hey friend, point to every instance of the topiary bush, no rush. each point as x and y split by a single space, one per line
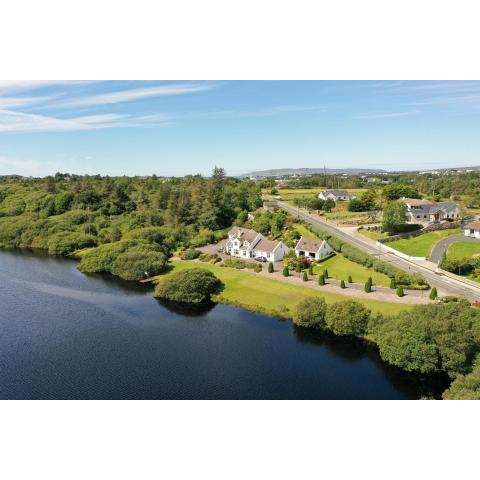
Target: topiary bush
321 280
305 277
350 279
400 291
433 294
270 267
285 272
368 287
342 284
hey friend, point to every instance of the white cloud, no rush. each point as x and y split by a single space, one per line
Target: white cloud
11 102
12 121
372 116
23 85
12 166
137 94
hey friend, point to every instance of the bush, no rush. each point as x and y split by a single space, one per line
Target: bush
305 277
100 259
195 285
321 280
138 262
431 338
347 318
350 279
325 273
400 292
285 272
433 294
310 270
257 268
368 287
66 243
392 283
342 284
270 267
190 254
310 313
465 387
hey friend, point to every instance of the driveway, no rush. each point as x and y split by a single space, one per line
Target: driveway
442 245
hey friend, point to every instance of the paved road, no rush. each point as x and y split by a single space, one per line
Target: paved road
442 245
444 285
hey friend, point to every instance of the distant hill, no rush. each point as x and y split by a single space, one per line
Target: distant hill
280 172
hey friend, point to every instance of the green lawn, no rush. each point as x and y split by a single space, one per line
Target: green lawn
340 268
422 245
463 249
304 232
270 296
374 235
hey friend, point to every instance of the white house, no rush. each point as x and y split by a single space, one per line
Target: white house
336 195
247 243
314 249
423 211
472 229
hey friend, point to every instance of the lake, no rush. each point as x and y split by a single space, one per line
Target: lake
66 335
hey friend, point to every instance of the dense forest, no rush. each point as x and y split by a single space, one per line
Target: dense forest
135 222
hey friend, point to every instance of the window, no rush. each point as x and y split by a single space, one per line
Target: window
235 252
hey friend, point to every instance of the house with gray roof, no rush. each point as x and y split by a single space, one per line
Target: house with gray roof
424 211
246 243
336 195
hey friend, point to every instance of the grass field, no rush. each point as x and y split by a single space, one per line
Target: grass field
422 245
304 232
373 235
340 268
271 297
463 249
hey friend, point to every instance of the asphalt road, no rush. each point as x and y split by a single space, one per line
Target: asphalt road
444 243
444 285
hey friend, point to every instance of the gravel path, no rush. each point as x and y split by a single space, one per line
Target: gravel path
442 245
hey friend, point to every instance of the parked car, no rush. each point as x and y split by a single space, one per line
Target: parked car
261 259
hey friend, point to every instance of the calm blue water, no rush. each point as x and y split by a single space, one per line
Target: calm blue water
66 335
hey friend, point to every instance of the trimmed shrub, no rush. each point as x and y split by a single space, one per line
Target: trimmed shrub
400 292
321 279
325 273
350 279
392 283
342 284
368 287
285 272
310 270
433 294
305 277
270 267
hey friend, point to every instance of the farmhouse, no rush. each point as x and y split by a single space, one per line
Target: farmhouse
336 195
423 211
247 243
314 249
472 229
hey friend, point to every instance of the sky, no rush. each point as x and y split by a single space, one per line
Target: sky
188 127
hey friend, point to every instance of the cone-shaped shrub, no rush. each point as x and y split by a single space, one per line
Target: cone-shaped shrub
392 283
433 294
321 280
342 284
325 273
368 287
350 279
285 272
270 267
370 281
400 291
305 276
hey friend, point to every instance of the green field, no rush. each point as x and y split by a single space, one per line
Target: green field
374 235
422 245
340 268
463 249
304 232
271 297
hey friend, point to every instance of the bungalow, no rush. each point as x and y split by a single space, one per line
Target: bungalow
247 243
472 229
314 249
336 195
423 211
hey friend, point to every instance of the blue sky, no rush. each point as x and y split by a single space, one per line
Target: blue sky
182 127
